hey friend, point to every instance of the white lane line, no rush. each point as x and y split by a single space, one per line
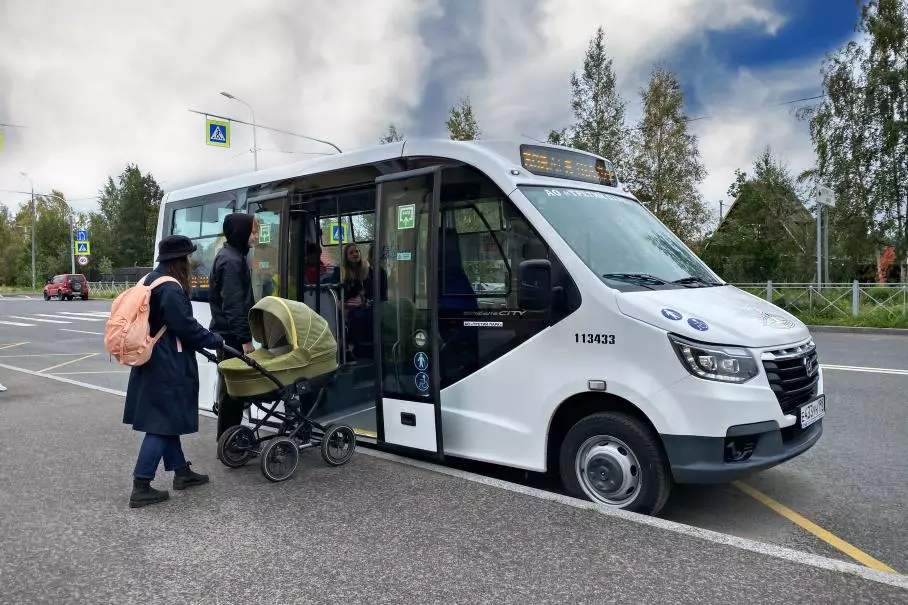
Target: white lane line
86 313
99 372
48 321
16 323
68 317
771 550
863 369
80 331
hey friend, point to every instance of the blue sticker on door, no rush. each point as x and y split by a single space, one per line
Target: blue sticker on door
421 361
698 324
422 381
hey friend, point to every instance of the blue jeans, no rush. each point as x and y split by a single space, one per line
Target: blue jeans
155 447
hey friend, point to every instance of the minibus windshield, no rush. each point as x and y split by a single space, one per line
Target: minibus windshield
619 240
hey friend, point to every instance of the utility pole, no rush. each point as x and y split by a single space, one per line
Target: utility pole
255 146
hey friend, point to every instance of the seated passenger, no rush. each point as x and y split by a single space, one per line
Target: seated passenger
314 270
355 278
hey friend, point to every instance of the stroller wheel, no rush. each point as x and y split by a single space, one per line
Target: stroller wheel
280 458
338 444
235 446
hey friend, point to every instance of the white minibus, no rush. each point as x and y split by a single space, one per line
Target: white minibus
526 311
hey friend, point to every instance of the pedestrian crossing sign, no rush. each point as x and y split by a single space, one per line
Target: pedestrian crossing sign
218 132
83 248
337 232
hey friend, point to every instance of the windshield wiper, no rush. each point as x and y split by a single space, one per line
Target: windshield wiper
635 277
691 280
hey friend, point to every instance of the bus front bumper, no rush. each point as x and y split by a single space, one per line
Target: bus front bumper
745 449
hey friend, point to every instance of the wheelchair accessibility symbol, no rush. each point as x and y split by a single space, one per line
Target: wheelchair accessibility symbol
422 382
421 361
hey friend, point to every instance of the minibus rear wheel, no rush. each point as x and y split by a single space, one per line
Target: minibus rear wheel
612 458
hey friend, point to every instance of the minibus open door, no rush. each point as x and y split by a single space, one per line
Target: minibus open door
408 405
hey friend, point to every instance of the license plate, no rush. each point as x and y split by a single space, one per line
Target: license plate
813 411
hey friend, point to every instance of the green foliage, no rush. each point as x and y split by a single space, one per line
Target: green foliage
861 137
392 136
666 165
767 233
598 108
123 229
461 122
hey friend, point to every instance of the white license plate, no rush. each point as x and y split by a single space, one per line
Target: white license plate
813 411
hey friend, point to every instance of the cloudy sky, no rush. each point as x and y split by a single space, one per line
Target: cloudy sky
101 83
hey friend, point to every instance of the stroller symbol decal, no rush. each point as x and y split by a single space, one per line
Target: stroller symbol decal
422 382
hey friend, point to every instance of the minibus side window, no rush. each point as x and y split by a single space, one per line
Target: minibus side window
202 223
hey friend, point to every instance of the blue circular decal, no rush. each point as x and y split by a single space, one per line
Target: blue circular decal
671 314
698 324
422 381
421 361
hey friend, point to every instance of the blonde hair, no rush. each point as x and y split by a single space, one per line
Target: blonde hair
350 273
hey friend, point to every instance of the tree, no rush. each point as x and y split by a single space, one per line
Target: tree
767 233
461 122
666 165
860 135
123 229
599 125
392 136
12 241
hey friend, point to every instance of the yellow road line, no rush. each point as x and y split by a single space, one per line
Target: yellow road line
66 363
10 346
824 535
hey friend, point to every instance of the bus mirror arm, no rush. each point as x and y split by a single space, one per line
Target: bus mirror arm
534 290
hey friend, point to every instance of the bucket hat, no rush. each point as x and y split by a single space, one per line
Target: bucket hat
175 246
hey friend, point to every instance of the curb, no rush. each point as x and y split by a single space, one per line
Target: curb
859 330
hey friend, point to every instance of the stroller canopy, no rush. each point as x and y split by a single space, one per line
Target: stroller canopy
296 343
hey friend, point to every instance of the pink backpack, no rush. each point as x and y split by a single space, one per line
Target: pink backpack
127 335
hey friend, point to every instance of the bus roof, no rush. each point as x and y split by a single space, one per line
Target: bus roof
498 157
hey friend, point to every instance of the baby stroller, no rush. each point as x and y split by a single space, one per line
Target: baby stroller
297 361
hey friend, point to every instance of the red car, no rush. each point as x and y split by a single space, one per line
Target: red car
67 286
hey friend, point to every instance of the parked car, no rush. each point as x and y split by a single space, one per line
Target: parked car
66 286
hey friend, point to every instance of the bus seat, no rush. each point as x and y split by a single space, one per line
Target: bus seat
327 306
455 289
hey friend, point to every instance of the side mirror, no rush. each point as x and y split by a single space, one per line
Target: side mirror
534 290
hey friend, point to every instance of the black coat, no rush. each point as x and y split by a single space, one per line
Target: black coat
163 394
230 296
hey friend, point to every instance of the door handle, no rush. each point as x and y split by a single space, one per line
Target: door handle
408 418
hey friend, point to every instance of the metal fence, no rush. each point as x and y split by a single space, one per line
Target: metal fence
110 288
836 300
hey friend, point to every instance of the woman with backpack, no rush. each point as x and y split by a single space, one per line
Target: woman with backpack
163 394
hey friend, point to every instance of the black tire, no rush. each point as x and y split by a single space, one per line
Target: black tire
84 297
60 295
338 436
46 295
274 447
228 453
632 472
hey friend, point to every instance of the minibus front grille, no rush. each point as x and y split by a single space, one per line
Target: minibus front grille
793 375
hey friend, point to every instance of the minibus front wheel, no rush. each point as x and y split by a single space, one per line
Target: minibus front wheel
613 459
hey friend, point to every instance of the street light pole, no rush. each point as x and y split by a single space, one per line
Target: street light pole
34 225
255 146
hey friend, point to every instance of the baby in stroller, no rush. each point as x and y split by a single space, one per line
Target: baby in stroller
297 361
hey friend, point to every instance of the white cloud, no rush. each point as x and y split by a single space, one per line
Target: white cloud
103 83
100 84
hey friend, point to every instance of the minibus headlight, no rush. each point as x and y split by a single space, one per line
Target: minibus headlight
723 364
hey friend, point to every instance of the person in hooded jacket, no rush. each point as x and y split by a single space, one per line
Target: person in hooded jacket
162 399
230 299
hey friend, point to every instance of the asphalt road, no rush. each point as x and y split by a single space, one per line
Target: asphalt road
373 531
852 484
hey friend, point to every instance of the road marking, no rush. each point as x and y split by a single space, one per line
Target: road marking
10 346
69 317
41 355
808 525
16 323
863 369
100 372
87 314
47 321
66 363
771 550
80 331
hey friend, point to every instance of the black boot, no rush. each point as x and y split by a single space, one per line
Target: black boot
185 477
143 494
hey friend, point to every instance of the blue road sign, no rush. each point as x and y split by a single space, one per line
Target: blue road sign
82 235
218 133
82 248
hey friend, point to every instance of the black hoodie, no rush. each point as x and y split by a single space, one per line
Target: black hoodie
230 283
